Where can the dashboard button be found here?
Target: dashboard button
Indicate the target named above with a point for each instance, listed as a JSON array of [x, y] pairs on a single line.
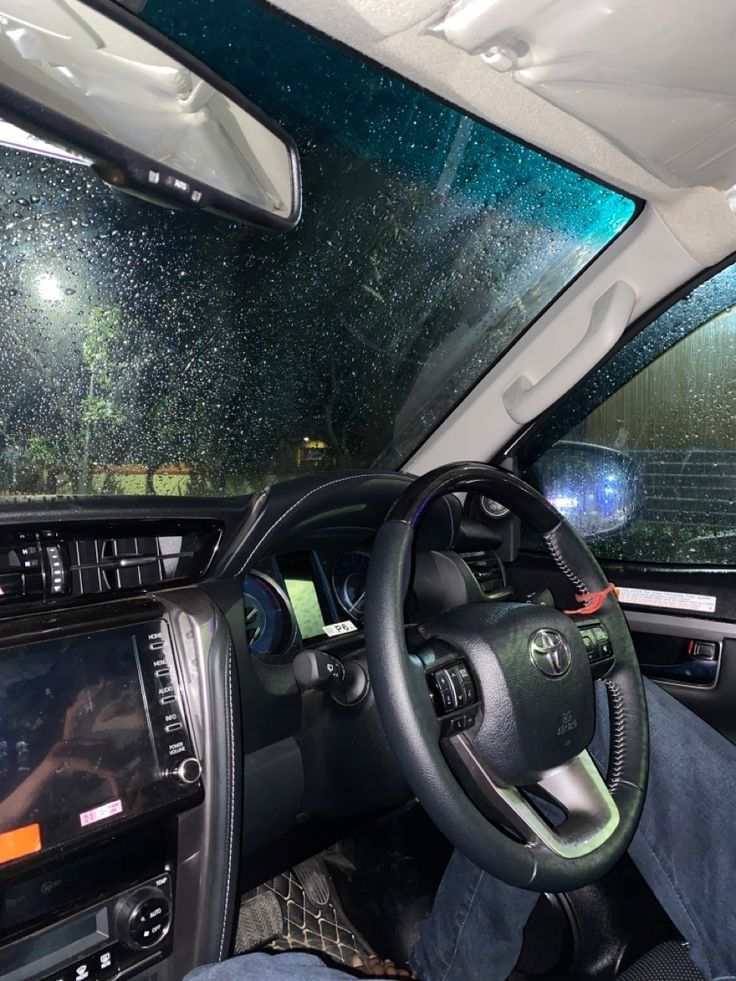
[[105, 964], [173, 727], [457, 686], [166, 699], [445, 689], [83, 971], [442, 680], [600, 635]]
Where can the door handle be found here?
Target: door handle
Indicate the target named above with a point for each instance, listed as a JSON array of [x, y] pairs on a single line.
[[692, 672]]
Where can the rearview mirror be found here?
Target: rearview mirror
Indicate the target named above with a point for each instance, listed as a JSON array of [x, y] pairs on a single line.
[[596, 488], [150, 119]]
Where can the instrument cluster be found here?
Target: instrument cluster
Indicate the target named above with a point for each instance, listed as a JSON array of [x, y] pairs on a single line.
[[302, 599]]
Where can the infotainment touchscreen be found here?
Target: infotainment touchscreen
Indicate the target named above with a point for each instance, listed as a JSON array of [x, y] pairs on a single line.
[[78, 747]]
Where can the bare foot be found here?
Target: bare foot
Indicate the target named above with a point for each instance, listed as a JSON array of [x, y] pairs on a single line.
[[374, 967]]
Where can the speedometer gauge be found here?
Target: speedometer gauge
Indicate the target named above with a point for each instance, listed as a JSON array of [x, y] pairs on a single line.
[[269, 618], [349, 574]]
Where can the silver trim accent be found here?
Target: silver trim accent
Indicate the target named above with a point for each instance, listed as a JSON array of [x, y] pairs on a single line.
[[182, 771], [201, 635], [284, 597], [550, 653], [577, 786]]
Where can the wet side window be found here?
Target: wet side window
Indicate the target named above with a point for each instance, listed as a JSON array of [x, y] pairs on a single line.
[[648, 474]]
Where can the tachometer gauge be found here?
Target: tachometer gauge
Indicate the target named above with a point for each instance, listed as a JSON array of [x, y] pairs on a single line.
[[349, 574], [269, 619]]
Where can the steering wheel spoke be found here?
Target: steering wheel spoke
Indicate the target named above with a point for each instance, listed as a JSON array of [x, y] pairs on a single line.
[[590, 813]]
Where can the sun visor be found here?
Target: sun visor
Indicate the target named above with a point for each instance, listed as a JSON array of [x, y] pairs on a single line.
[[655, 78]]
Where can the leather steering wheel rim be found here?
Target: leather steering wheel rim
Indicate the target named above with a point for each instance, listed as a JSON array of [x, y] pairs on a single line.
[[532, 861]]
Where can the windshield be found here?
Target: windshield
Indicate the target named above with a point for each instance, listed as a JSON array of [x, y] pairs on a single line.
[[148, 351]]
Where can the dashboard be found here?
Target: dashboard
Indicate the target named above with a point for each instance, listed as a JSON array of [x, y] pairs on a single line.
[[148, 685]]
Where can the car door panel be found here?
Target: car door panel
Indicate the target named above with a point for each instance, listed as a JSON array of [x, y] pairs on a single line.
[[666, 642]]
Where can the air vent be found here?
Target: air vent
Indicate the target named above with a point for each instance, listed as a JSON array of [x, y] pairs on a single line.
[[58, 561], [489, 572], [122, 559]]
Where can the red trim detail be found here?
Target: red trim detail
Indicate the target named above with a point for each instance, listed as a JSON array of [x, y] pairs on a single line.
[[592, 602]]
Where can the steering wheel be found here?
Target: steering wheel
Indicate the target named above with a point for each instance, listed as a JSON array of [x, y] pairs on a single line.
[[506, 774]]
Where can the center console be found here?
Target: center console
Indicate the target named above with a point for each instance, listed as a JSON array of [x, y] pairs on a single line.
[[99, 762]]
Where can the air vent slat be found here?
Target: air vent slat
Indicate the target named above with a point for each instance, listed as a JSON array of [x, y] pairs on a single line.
[[123, 561], [488, 571], [76, 559]]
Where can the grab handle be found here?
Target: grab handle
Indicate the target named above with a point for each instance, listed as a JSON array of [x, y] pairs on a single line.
[[525, 400]]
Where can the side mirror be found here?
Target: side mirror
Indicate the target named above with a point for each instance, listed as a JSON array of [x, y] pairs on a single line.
[[95, 80], [596, 488]]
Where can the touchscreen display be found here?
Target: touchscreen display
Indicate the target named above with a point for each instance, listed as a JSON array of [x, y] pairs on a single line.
[[76, 747]]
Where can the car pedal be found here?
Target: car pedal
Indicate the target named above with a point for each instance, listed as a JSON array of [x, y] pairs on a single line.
[[314, 880], [260, 921]]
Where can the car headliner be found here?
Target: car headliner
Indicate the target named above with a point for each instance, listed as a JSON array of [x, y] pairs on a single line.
[[395, 33]]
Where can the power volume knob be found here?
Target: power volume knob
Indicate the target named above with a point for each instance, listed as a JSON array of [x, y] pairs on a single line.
[[188, 771]]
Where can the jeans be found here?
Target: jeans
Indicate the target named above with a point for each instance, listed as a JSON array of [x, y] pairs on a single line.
[[684, 848]]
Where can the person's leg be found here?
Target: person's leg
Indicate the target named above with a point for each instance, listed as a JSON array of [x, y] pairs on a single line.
[[297, 966], [685, 846], [269, 967], [474, 931], [684, 849]]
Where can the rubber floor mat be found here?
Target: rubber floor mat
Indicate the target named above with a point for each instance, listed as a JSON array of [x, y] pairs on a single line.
[[311, 917]]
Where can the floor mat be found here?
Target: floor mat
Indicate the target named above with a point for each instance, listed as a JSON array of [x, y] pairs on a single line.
[[299, 910]]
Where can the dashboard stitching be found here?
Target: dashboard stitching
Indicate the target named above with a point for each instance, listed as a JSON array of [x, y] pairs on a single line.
[[231, 791], [315, 490]]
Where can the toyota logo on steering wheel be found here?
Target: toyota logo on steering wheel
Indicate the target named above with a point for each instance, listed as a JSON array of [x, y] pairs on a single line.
[[550, 653]]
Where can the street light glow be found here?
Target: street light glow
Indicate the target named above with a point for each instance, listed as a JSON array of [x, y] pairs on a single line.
[[48, 289]]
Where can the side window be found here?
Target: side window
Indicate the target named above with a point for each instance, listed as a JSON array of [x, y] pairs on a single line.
[[642, 458]]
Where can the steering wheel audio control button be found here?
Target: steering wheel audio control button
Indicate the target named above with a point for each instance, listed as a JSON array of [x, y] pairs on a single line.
[[598, 647], [446, 700], [451, 688]]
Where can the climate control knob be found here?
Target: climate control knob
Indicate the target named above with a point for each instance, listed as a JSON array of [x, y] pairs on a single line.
[[143, 918]]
